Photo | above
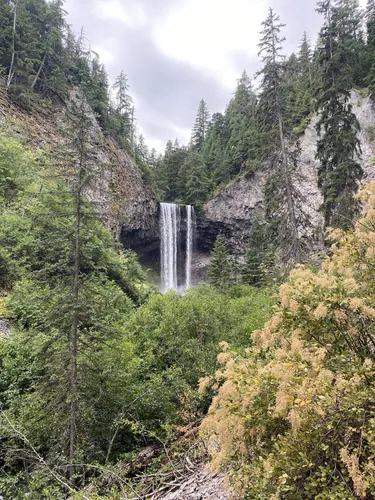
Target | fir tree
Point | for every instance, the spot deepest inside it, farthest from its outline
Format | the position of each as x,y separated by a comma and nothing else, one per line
199,131
196,180
298,87
219,272
78,163
260,259
338,147
214,148
370,23
124,109
282,199
241,117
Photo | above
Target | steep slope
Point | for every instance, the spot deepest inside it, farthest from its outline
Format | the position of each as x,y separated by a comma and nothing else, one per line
125,202
233,209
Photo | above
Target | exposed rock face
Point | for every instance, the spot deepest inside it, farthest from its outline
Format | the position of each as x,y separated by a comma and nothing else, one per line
232,211
125,202
5,327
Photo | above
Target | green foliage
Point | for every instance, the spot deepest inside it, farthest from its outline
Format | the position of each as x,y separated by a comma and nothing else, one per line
220,270
16,166
177,340
199,131
294,414
138,354
282,197
338,146
260,262
242,148
197,182
36,262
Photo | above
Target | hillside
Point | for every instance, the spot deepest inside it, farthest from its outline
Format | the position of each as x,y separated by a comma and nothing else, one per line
258,382
124,199
235,207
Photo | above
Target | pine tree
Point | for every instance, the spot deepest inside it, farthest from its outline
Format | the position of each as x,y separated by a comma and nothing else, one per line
197,183
339,171
298,88
260,258
282,199
214,148
50,77
78,163
96,92
219,272
200,127
170,180
370,22
124,109
241,117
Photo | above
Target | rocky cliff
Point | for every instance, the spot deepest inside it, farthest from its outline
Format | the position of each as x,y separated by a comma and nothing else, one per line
125,202
233,209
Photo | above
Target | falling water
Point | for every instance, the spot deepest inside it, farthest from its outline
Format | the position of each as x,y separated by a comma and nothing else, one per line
172,260
190,230
170,226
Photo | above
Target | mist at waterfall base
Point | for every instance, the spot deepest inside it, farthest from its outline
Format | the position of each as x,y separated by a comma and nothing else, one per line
176,265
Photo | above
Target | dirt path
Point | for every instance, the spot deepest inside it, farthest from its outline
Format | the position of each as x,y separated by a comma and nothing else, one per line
200,486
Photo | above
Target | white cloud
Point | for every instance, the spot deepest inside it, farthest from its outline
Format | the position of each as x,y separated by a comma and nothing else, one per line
128,12
106,56
156,144
205,33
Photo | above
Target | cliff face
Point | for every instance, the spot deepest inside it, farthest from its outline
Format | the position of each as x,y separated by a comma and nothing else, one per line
125,202
128,206
233,209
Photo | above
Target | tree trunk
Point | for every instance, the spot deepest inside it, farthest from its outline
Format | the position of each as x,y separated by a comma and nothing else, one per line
74,329
39,70
288,186
11,70
74,338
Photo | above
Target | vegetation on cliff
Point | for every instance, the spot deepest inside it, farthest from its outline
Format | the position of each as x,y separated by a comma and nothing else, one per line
262,124
99,365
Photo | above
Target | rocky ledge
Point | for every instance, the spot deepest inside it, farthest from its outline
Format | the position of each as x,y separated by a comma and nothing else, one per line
232,211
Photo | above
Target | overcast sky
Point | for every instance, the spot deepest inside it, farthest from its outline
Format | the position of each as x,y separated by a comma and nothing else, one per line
176,52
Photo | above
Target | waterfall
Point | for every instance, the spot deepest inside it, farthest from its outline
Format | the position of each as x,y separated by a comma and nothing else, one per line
190,230
170,227
171,259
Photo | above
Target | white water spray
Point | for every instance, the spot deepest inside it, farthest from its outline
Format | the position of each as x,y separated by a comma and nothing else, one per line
169,227
171,259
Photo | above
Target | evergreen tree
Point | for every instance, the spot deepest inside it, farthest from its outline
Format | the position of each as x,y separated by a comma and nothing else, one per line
124,110
196,180
219,272
339,171
50,77
260,259
370,22
214,148
79,166
298,89
169,176
241,116
199,131
281,200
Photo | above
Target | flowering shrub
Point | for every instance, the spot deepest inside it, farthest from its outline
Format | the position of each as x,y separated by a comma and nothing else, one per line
294,416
